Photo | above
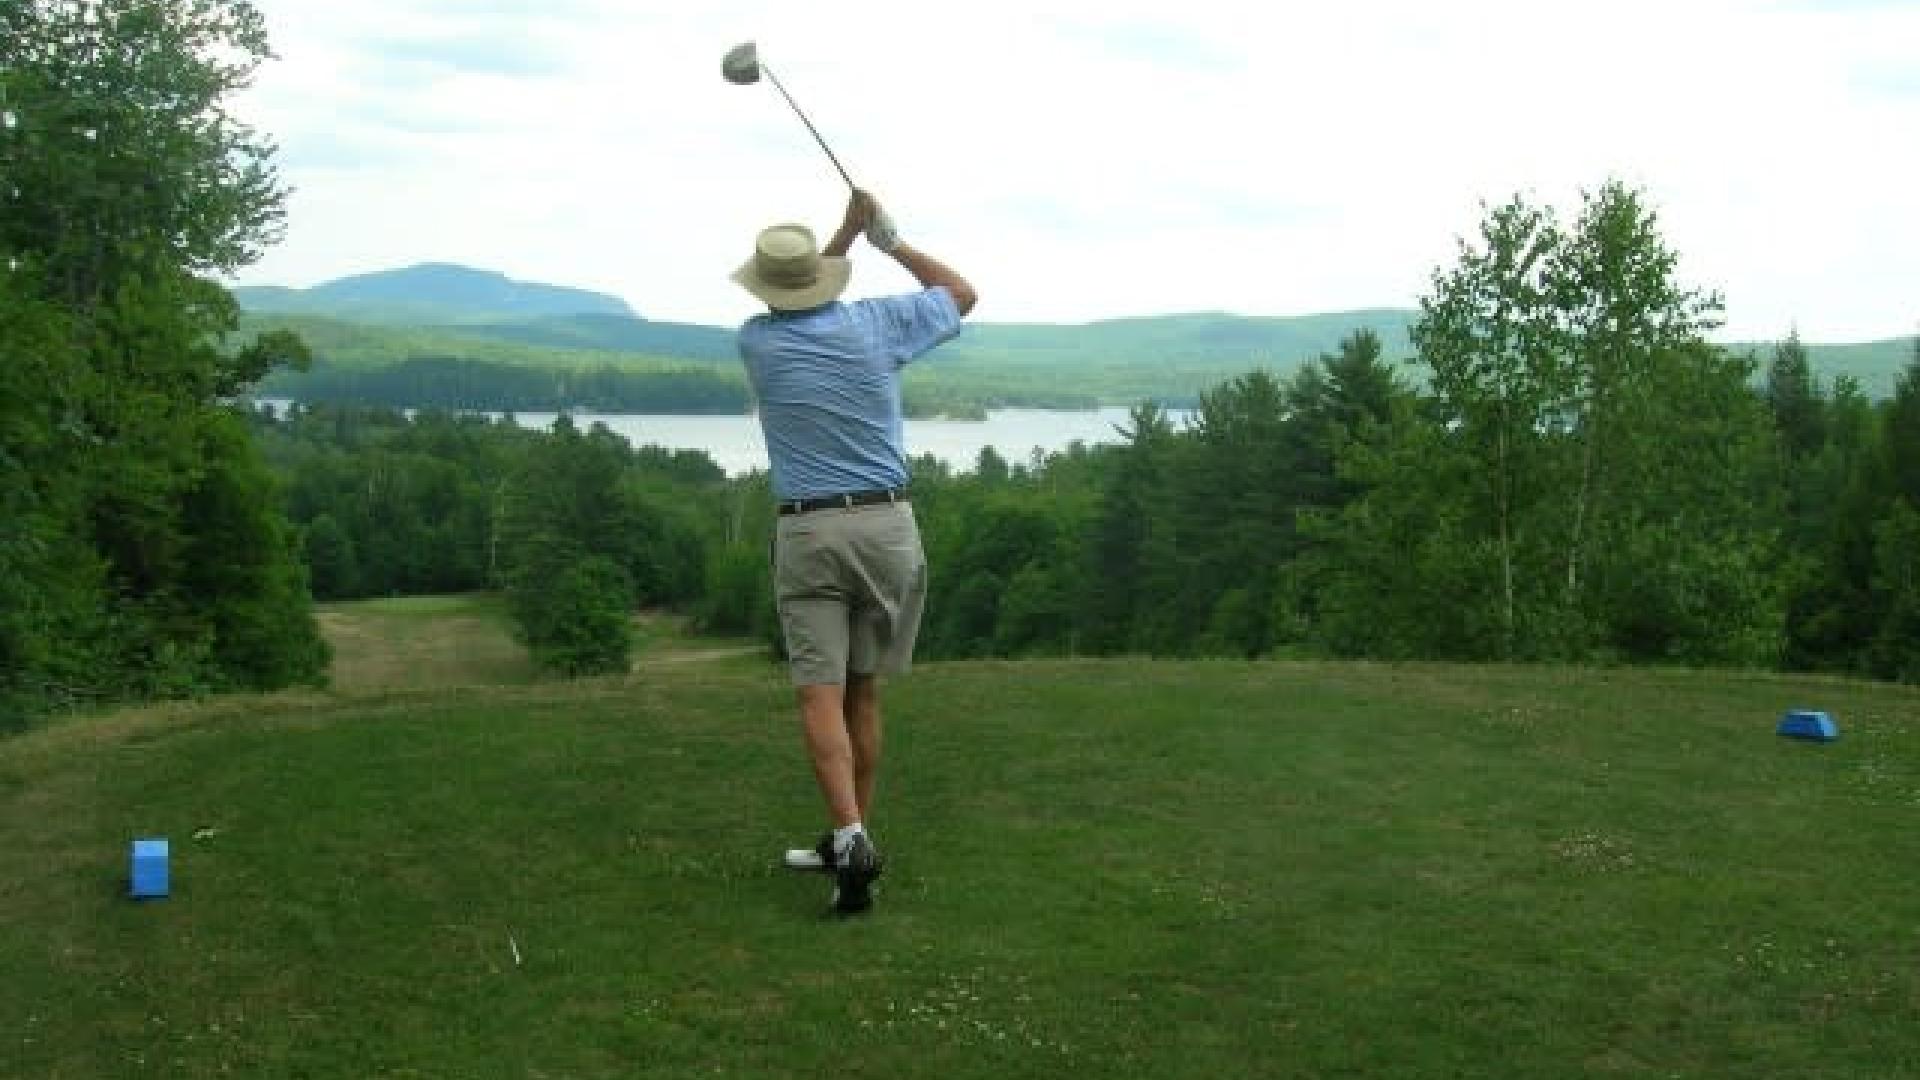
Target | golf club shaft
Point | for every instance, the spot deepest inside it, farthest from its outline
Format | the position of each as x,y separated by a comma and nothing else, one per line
775,79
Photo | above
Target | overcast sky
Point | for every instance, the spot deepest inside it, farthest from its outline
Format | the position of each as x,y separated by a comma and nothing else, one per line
1080,161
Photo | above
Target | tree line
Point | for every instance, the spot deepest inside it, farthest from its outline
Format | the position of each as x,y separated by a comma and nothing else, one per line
1579,476
578,528
447,382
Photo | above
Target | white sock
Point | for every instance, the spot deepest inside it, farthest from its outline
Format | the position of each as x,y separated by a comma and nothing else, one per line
843,837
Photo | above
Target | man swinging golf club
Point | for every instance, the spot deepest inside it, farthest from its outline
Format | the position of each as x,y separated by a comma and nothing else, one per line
850,577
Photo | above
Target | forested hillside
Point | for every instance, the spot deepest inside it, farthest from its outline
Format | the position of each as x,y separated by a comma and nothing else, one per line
1167,359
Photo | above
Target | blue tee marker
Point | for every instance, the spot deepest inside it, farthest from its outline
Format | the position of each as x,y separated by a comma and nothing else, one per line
149,869
1809,724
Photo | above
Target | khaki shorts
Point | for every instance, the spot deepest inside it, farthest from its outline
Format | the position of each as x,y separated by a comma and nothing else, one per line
850,584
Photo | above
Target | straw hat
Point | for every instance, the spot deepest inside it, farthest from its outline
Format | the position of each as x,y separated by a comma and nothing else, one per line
788,271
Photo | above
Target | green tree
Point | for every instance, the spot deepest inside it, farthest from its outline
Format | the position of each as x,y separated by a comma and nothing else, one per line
1406,568
242,572
573,499
1901,441
1894,591
738,594
1685,566
52,625
990,467
1895,651
1130,549
1338,405
1489,332
580,621
1035,614
1794,397
1244,474
1596,458
126,180
1629,329
1830,559
1337,399
123,155
331,560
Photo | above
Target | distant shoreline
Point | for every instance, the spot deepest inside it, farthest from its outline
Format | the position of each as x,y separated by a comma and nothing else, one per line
735,444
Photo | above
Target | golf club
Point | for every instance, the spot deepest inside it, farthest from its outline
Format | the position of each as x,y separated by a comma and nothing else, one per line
742,66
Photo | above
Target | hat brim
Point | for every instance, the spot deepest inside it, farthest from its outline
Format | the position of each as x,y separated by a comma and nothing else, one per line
835,272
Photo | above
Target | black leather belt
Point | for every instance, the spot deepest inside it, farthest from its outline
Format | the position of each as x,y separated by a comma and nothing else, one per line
843,502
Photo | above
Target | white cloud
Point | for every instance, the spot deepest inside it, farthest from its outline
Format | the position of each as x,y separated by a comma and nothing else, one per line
1103,159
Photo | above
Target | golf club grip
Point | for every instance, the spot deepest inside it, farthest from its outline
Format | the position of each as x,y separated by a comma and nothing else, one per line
814,131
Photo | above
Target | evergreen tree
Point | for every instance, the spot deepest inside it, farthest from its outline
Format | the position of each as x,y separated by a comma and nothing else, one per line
1339,404
1793,396
1830,561
1901,440
1895,587
571,505
579,622
1812,482
1895,651
1130,538
1406,569
1239,486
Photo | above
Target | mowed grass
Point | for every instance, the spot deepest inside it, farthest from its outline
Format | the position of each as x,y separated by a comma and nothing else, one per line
442,642
1126,869
423,643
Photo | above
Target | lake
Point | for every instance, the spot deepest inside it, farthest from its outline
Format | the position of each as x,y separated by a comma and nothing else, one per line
734,442
735,445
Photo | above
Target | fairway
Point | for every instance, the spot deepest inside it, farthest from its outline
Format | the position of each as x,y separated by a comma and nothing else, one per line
1126,869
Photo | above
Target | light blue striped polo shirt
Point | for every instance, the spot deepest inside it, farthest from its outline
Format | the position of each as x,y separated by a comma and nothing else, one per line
827,383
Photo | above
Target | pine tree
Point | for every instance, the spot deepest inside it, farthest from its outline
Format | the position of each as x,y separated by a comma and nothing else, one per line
1793,395
1130,537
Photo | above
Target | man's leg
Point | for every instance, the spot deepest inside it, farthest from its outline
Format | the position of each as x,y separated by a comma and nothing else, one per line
853,752
830,746
863,732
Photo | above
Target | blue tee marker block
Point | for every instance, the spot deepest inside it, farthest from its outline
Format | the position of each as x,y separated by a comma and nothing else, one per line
149,869
1808,724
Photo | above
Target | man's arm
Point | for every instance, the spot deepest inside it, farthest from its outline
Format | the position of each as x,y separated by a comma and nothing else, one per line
859,211
927,270
930,271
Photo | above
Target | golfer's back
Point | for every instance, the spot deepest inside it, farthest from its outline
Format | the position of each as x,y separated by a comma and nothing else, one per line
827,385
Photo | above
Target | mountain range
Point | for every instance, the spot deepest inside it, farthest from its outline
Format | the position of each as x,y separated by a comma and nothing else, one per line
443,309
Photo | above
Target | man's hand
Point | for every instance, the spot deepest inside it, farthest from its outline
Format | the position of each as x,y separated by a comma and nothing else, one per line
860,211
864,215
881,232
861,208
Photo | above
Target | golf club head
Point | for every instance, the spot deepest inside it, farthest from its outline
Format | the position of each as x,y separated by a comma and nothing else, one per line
741,65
